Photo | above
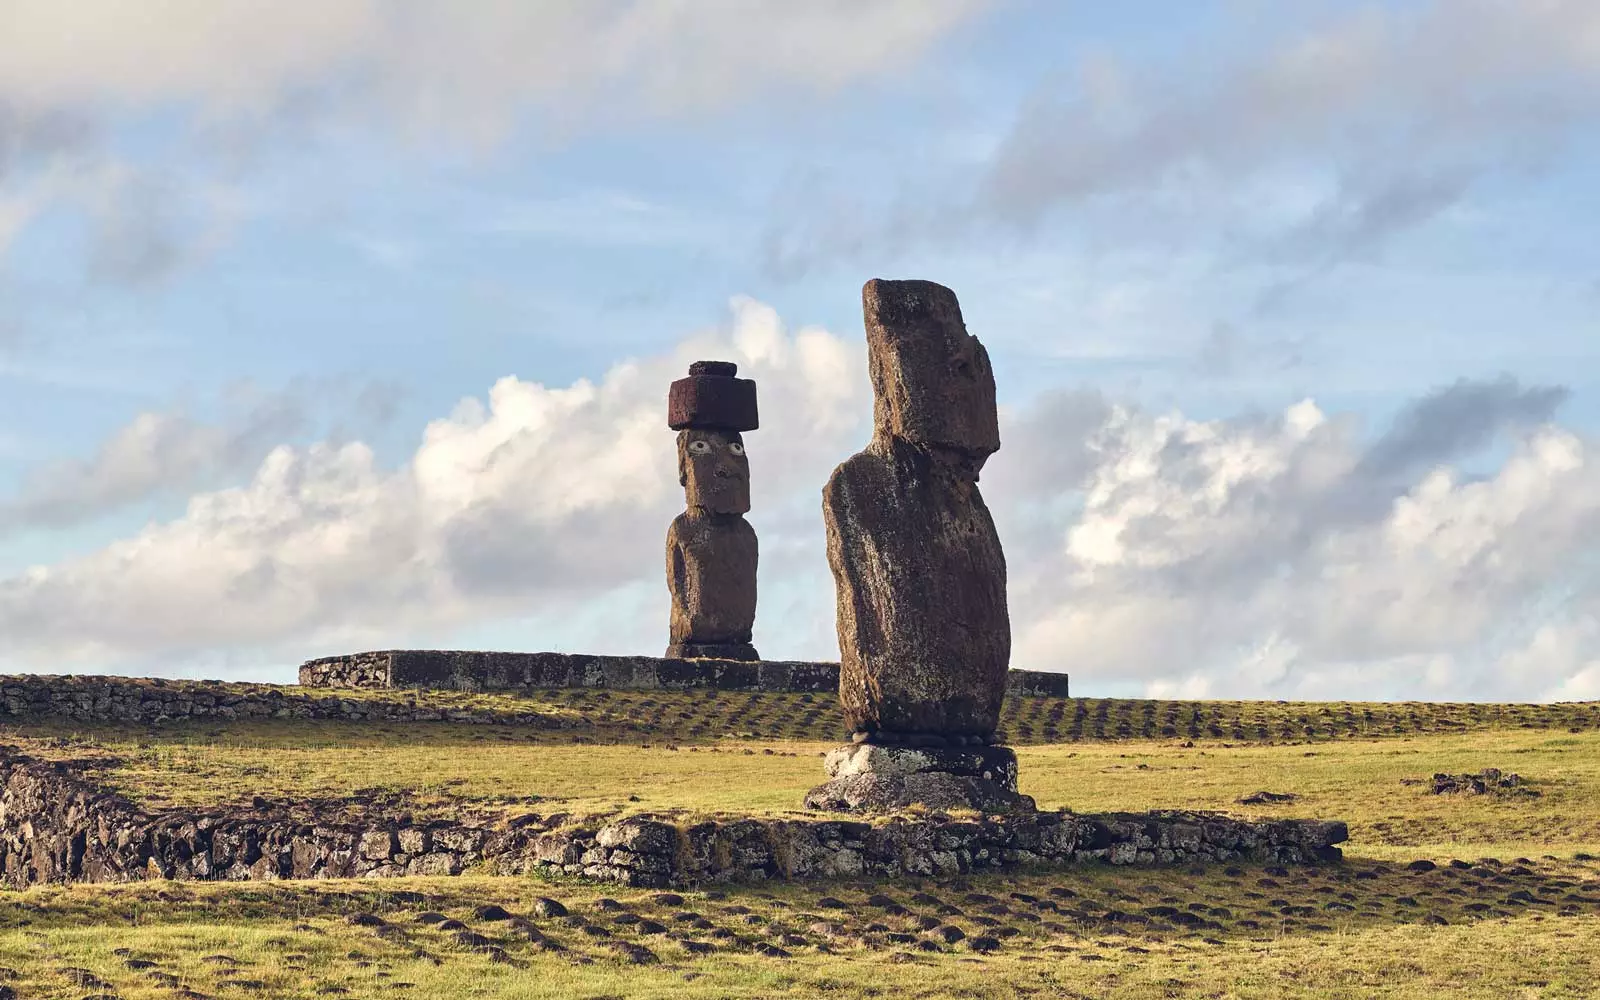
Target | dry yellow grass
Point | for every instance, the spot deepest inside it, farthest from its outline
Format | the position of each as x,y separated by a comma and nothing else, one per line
442,767
1074,934
1519,929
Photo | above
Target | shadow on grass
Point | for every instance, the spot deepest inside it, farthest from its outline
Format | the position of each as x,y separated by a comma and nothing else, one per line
314,935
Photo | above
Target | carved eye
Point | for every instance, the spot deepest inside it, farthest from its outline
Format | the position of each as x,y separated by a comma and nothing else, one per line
736,447
700,447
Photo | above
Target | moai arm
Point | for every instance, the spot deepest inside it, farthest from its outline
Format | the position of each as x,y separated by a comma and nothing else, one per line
678,582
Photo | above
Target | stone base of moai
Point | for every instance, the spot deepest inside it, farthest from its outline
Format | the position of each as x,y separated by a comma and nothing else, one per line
869,777
712,651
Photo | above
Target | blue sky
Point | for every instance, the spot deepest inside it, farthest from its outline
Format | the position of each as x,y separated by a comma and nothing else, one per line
253,261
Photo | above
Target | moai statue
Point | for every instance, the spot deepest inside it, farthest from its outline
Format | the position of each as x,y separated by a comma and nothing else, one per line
924,635
711,548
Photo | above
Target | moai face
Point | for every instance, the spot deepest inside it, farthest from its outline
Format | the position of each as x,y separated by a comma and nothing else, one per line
714,471
932,380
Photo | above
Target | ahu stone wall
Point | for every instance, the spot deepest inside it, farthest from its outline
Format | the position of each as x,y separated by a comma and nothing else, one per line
652,852
466,670
156,700
57,826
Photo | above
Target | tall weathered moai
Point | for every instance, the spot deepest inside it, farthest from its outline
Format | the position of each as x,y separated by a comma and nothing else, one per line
924,635
711,548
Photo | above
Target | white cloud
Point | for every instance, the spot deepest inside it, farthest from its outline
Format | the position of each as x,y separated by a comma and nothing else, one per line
1400,105
254,76
1561,659
1288,556
539,497
154,454
1296,142
1262,556
469,70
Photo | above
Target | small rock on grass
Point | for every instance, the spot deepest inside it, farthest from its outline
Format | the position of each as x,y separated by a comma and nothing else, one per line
1264,797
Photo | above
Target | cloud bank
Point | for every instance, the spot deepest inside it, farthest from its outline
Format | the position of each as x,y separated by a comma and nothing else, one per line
536,497
469,71
1281,555
1299,141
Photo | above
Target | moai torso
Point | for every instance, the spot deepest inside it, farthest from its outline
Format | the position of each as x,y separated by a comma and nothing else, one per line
920,578
711,566
712,552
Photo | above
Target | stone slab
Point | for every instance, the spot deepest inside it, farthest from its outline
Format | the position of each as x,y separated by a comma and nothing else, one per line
997,764
741,651
474,670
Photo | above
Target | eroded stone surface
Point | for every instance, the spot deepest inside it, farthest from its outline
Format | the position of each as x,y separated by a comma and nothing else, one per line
874,777
710,396
742,651
711,566
869,792
924,633
714,471
1490,781
59,828
997,764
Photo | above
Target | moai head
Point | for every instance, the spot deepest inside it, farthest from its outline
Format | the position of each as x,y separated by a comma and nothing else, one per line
713,470
710,409
931,379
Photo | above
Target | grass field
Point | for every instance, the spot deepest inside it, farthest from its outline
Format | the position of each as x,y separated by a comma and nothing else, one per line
1512,918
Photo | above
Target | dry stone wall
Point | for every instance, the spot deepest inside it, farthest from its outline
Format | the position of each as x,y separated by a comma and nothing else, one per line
57,826
651,852
154,700
464,670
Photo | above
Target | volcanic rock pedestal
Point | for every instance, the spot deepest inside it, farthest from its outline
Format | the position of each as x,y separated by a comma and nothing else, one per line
711,549
869,777
920,579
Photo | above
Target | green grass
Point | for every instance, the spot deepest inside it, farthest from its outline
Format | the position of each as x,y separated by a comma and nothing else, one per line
445,768
1370,928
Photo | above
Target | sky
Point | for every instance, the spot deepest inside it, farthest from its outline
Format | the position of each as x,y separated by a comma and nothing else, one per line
349,325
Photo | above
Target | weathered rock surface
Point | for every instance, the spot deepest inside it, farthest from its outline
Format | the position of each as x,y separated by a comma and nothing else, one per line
881,778
714,471
473,670
711,396
924,634
1490,781
57,827
742,651
1264,798
711,567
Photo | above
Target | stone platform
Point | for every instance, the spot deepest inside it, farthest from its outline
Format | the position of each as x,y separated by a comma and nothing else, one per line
470,670
872,778
56,826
